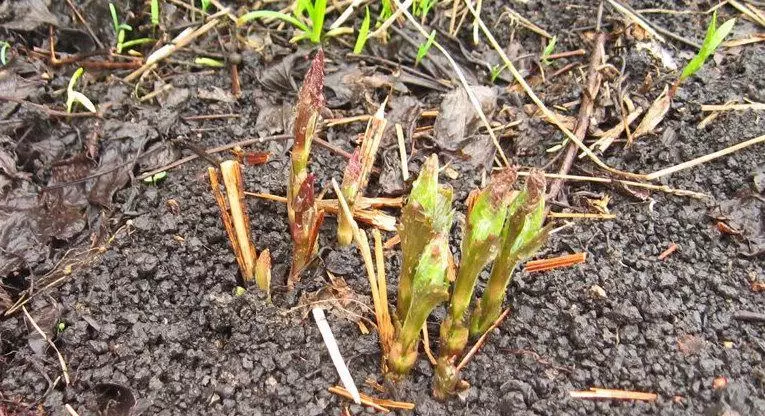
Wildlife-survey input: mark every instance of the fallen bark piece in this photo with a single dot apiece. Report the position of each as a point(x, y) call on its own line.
point(596, 393)
point(555, 263)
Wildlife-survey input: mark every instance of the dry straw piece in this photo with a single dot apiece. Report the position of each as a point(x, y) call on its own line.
point(237, 224)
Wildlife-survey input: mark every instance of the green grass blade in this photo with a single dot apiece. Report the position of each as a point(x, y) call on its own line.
point(115, 19)
point(363, 34)
point(317, 20)
point(549, 50)
point(425, 47)
point(136, 42)
point(4, 52)
point(266, 14)
point(155, 12)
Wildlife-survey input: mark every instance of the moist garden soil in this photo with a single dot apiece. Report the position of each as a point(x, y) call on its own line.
point(150, 323)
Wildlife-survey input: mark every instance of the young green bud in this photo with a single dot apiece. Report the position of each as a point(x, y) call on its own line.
point(427, 213)
point(485, 218)
point(522, 235)
point(430, 287)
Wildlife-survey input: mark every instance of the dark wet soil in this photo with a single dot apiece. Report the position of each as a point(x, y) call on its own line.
point(151, 325)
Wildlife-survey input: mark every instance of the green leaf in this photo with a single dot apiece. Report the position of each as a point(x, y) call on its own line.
point(496, 71)
point(425, 47)
point(136, 42)
point(363, 34)
point(549, 50)
point(317, 20)
point(155, 12)
point(712, 41)
point(205, 5)
point(73, 80)
point(266, 14)
point(386, 11)
point(115, 19)
point(4, 52)
point(78, 97)
point(213, 63)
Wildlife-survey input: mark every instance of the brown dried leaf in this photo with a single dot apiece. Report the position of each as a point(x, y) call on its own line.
point(654, 115)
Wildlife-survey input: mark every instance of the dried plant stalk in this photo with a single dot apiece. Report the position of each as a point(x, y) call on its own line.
point(357, 172)
point(304, 216)
point(237, 225)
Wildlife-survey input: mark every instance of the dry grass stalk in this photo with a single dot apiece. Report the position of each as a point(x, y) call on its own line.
point(555, 263)
point(596, 393)
point(458, 71)
point(374, 217)
point(749, 11)
point(47, 339)
point(382, 314)
point(733, 107)
point(382, 405)
point(481, 340)
point(530, 92)
point(581, 215)
point(357, 171)
point(706, 158)
point(237, 224)
point(402, 152)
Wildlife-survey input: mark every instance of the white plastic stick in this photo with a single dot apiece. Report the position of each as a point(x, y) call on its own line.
point(334, 353)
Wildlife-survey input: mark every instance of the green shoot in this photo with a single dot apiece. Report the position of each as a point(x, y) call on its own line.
point(548, 50)
point(421, 8)
point(121, 29)
point(423, 284)
point(205, 5)
point(304, 216)
point(496, 71)
point(315, 16)
point(386, 11)
point(239, 291)
point(712, 41)
point(522, 235)
point(4, 46)
point(155, 12)
point(481, 240)
point(426, 214)
point(209, 62)
point(363, 34)
point(156, 178)
point(425, 47)
point(73, 96)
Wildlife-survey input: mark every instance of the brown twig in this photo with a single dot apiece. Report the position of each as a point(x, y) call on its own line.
point(48, 111)
point(668, 251)
point(213, 151)
point(382, 405)
point(365, 400)
point(585, 112)
point(555, 263)
point(481, 340)
point(85, 23)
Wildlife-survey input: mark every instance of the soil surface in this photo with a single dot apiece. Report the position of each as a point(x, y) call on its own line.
point(148, 321)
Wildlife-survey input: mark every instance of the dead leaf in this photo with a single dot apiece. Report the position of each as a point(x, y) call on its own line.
point(25, 15)
point(216, 94)
point(457, 118)
point(654, 115)
point(338, 298)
